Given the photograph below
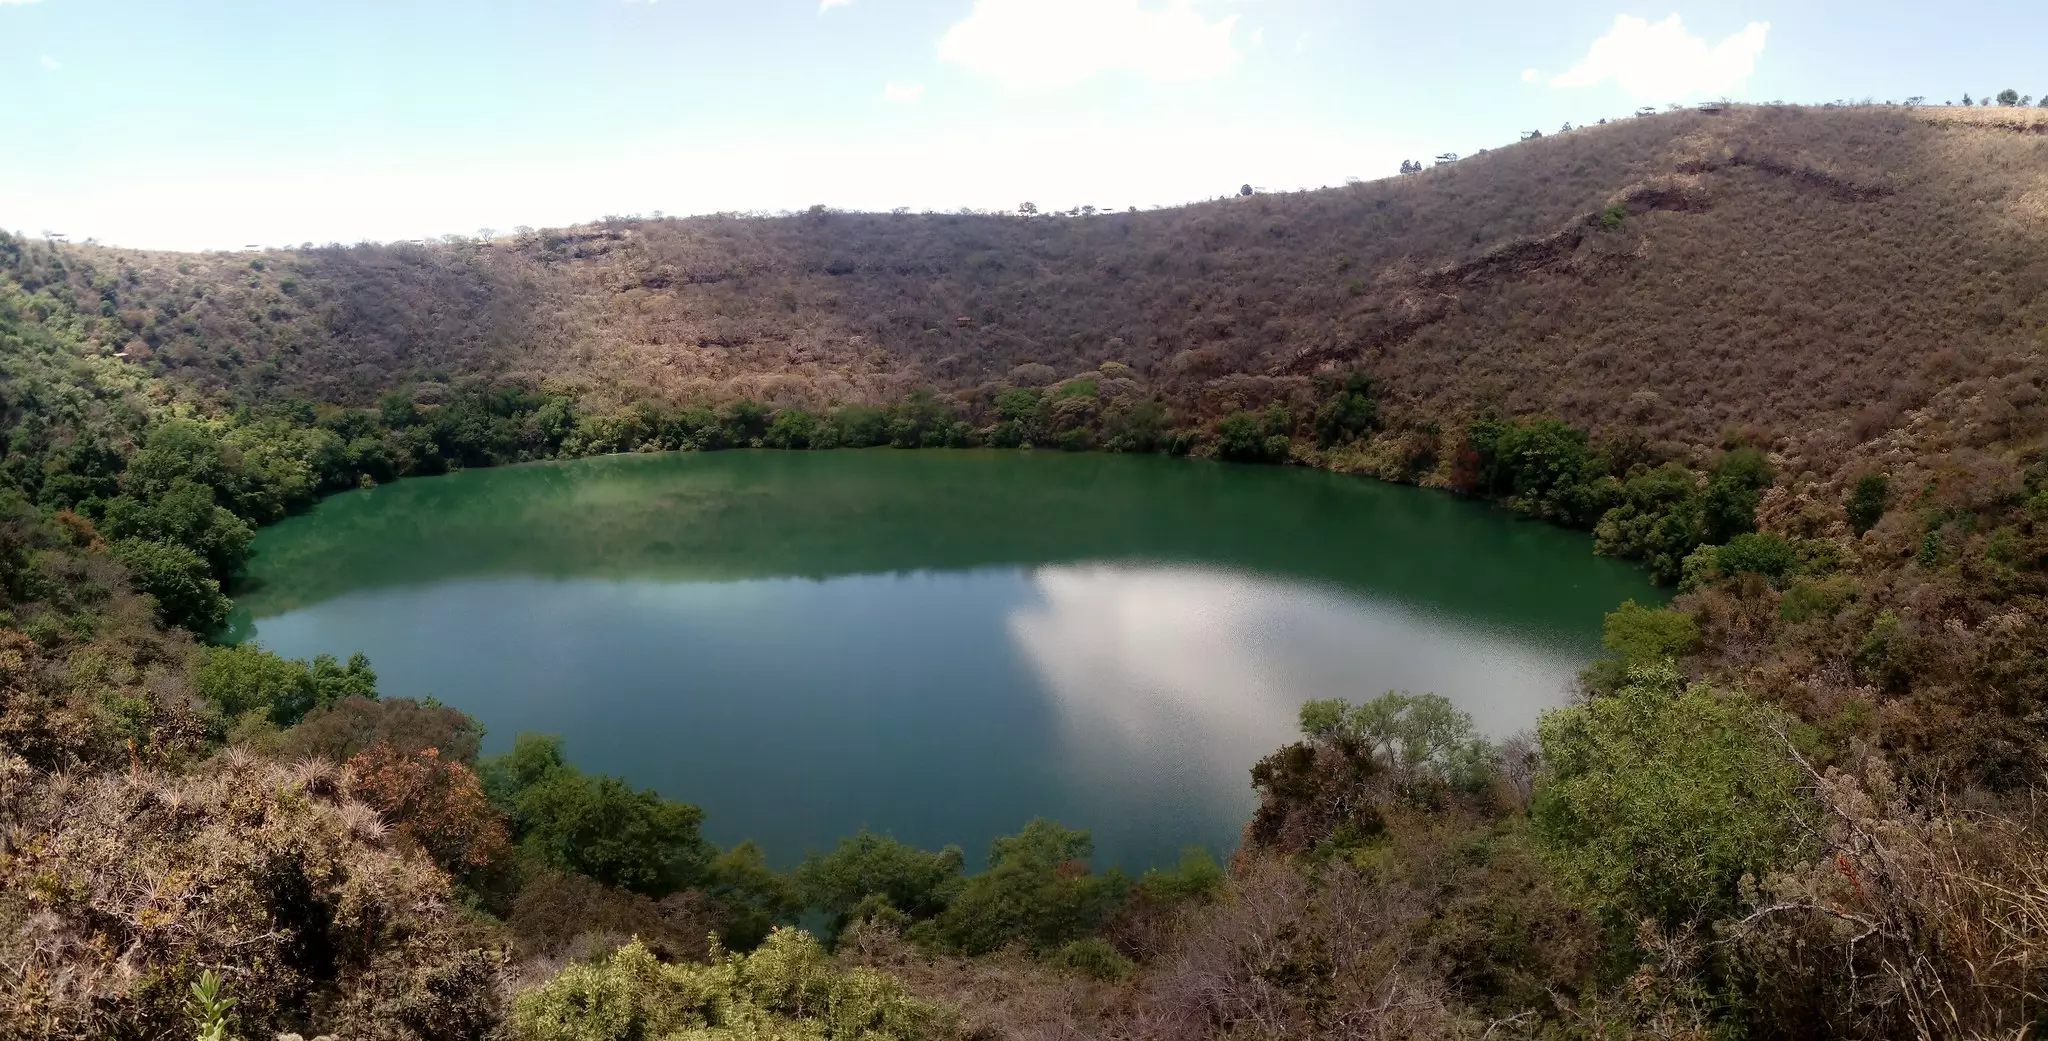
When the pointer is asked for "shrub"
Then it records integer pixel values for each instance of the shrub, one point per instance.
(786, 989)
(1309, 796)
(1810, 599)
(556, 914)
(1329, 954)
(1891, 654)
(1910, 923)
(1772, 556)
(1157, 904)
(1196, 879)
(1094, 958)
(266, 874)
(1659, 798)
(341, 730)
(435, 803)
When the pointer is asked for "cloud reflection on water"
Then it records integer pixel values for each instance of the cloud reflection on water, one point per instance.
(1183, 677)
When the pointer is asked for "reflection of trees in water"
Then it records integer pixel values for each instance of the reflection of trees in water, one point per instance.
(734, 515)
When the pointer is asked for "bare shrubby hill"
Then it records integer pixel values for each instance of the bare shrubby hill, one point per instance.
(1809, 275)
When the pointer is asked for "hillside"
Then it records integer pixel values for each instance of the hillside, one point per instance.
(1810, 274)
(1789, 359)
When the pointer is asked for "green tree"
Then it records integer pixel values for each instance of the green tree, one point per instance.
(792, 428)
(743, 422)
(1542, 467)
(861, 426)
(1647, 635)
(397, 410)
(917, 883)
(1658, 799)
(1636, 636)
(183, 512)
(180, 580)
(1037, 890)
(595, 826)
(1729, 504)
(1140, 427)
(1349, 414)
(1867, 502)
(2008, 96)
(245, 679)
(1255, 437)
(1417, 737)
(174, 449)
(1017, 403)
(754, 897)
(335, 681)
(1658, 520)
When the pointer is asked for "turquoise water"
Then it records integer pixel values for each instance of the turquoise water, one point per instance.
(940, 645)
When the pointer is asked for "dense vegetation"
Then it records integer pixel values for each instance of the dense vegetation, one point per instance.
(1802, 803)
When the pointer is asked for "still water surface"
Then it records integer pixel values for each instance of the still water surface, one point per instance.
(940, 645)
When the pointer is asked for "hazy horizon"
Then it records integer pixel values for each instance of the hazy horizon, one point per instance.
(244, 124)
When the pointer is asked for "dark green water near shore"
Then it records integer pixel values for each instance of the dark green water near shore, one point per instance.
(940, 645)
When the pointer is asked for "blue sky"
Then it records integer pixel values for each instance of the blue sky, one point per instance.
(221, 123)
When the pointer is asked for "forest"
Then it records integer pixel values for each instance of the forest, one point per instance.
(1802, 802)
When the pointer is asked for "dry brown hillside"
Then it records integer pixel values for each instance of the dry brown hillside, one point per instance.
(1809, 276)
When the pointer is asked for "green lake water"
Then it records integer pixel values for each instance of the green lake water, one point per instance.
(939, 645)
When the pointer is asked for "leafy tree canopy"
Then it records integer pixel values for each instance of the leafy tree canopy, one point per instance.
(1658, 799)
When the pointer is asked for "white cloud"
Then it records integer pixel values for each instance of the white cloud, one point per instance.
(1531, 76)
(827, 5)
(903, 92)
(1662, 61)
(1047, 44)
(50, 63)
(4, 3)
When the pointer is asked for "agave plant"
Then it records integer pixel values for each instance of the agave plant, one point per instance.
(208, 1008)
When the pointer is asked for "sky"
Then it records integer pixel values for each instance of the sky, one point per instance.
(216, 124)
